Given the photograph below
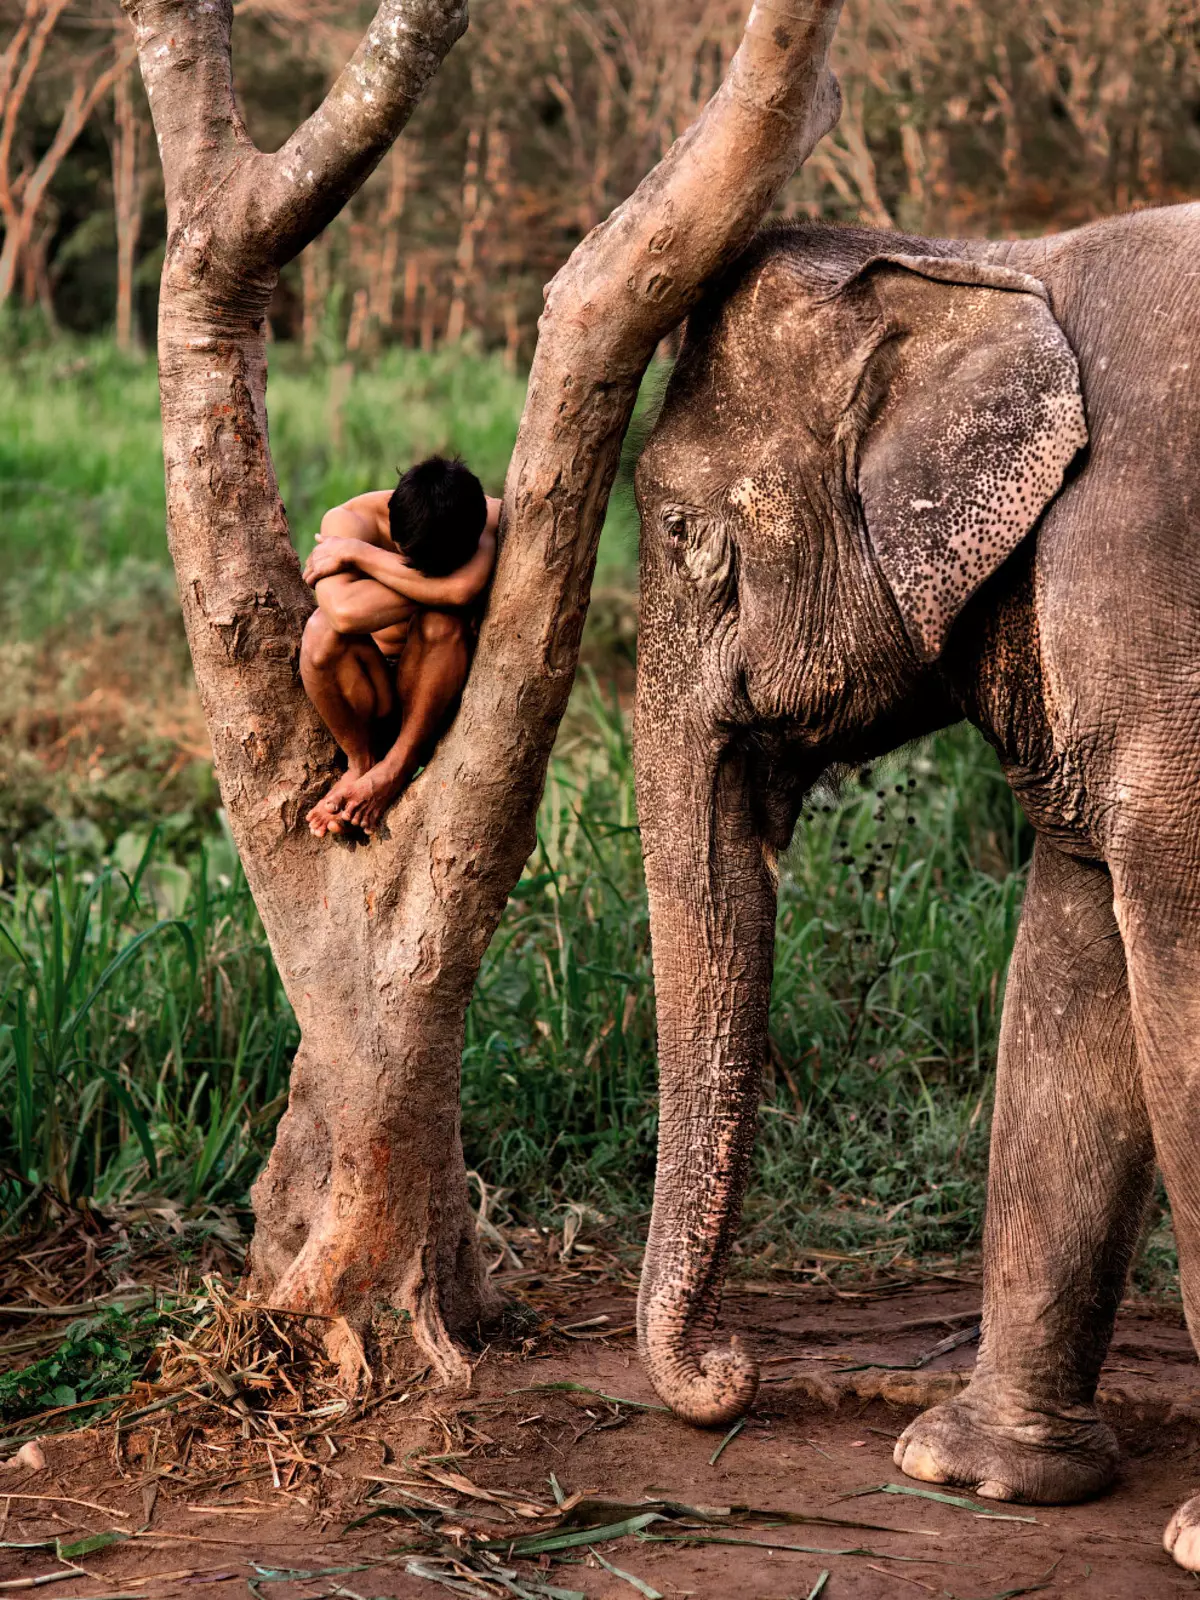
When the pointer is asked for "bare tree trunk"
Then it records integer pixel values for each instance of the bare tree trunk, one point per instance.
(383, 282)
(314, 291)
(472, 220)
(412, 288)
(21, 205)
(364, 1198)
(127, 205)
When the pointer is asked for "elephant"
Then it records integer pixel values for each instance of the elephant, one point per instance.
(897, 483)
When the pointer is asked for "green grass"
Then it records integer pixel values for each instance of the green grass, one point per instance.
(81, 486)
(145, 1039)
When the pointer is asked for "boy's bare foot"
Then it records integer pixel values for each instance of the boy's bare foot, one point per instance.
(366, 799)
(326, 816)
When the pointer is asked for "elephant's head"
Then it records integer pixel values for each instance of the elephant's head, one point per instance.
(850, 445)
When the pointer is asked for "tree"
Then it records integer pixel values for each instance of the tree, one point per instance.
(364, 1198)
(23, 194)
(127, 205)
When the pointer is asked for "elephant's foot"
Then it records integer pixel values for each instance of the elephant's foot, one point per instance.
(1182, 1538)
(1009, 1452)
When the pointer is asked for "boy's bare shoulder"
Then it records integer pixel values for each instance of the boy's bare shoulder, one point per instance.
(372, 507)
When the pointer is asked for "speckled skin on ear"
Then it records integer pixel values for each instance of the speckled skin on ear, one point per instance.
(983, 415)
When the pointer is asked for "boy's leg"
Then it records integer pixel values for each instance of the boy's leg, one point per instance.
(350, 684)
(429, 682)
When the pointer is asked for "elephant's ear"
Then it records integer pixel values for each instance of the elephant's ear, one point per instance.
(980, 416)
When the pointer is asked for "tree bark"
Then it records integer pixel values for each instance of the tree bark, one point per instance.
(364, 1198)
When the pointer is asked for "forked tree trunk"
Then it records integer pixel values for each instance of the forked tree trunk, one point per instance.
(364, 1199)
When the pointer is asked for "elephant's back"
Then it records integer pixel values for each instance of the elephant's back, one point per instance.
(1117, 579)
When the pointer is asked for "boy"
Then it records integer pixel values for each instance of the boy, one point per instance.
(386, 653)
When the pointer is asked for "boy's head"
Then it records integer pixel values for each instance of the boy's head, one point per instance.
(437, 512)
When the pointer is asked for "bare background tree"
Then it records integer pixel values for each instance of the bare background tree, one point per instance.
(961, 116)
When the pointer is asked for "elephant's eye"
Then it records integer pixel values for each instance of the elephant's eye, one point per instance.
(675, 522)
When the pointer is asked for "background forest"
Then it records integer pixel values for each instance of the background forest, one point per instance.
(961, 115)
(144, 1039)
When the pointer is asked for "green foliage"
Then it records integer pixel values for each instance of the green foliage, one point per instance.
(81, 483)
(98, 1358)
(144, 1037)
(145, 1040)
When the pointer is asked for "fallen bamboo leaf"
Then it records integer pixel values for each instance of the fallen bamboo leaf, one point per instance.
(421, 1569)
(955, 1500)
(528, 1586)
(1043, 1582)
(536, 1544)
(639, 1584)
(156, 1534)
(457, 1580)
(943, 1347)
(817, 1587)
(126, 1302)
(902, 1577)
(582, 1388)
(88, 1546)
(302, 1575)
(584, 1508)
(726, 1441)
(498, 1497)
(801, 1549)
(422, 1499)
(390, 1510)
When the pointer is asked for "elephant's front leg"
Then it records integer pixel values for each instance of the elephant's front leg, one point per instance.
(1071, 1169)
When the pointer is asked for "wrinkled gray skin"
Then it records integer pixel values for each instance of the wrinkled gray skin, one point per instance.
(871, 507)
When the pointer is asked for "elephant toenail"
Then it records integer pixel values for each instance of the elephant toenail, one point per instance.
(919, 1462)
(992, 1489)
(1187, 1548)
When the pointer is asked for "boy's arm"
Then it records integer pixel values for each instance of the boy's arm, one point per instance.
(338, 553)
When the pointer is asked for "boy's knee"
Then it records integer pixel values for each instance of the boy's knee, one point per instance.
(441, 628)
(321, 645)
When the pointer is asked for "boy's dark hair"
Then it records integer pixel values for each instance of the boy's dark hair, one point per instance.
(437, 512)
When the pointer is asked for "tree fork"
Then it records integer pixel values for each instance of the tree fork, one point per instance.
(364, 1199)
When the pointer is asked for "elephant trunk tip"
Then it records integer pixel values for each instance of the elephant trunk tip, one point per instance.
(709, 1391)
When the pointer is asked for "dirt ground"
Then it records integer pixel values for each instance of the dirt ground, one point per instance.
(213, 1512)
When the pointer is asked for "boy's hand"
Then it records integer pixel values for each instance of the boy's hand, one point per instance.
(332, 556)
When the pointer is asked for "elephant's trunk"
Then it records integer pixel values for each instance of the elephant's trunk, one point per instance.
(712, 921)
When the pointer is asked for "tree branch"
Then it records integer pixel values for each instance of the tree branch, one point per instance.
(626, 285)
(305, 184)
(184, 54)
(13, 101)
